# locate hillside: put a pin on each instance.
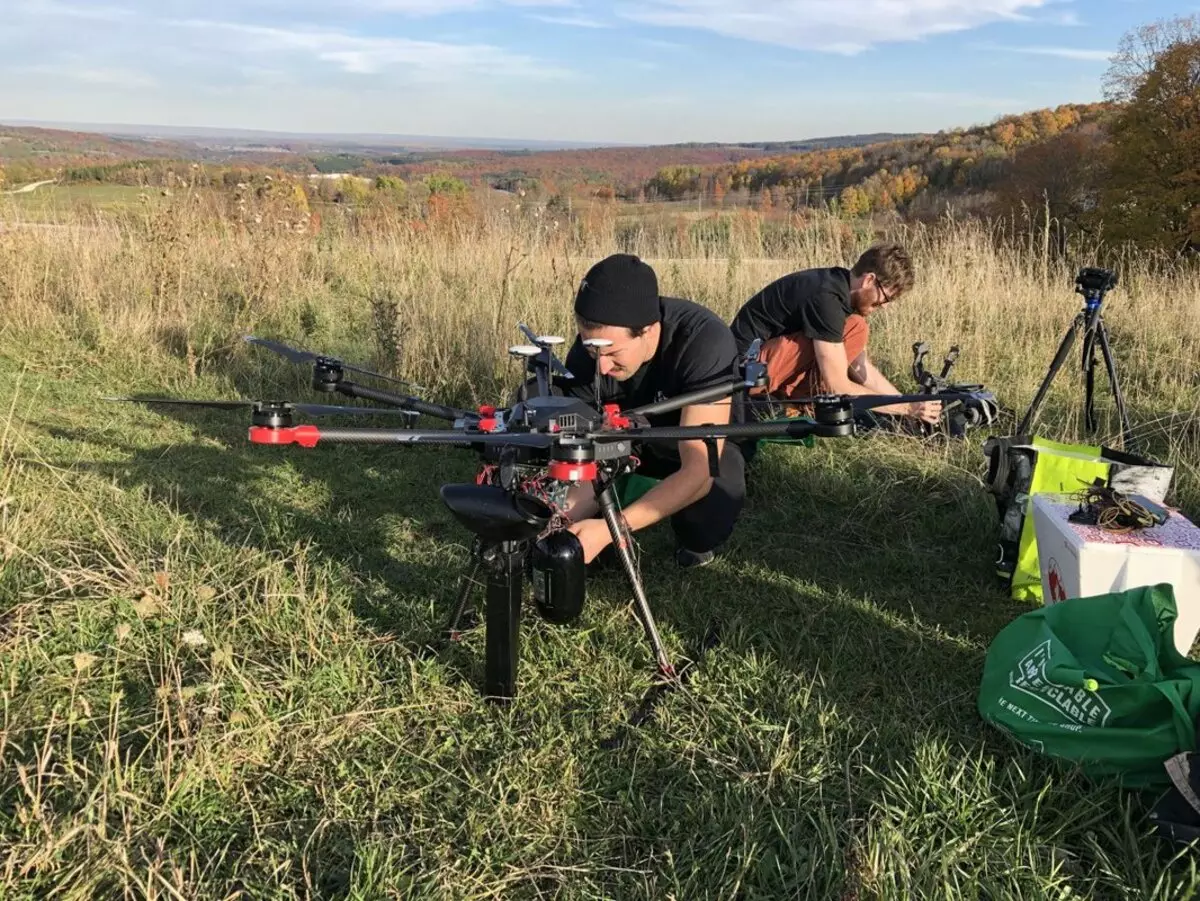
(31, 152)
(889, 174)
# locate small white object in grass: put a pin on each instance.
(550, 339)
(524, 350)
(194, 638)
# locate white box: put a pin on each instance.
(1079, 561)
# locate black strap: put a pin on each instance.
(714, 462)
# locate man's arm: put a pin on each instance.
(691, 481)
(683, 487)
(835, 370)
(864, 372)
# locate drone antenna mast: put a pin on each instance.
(546, 361)
(597, 343)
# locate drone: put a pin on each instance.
(975, 407)
(531, 453)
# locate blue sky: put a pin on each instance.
(653, 71)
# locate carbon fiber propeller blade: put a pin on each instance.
(305, 356)
(306, 409)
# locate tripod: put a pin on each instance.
(1093, 284)
(504, 559)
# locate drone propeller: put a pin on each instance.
(268, 406)
(304, 356)
(310, 436)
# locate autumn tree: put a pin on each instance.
(1139, 51)
(1062, 175)
(1153, 195)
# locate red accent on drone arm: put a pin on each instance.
(304, 435)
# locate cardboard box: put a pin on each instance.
(1079, 561)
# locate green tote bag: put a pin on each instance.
(1097, 682)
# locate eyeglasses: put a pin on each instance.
(886, 300)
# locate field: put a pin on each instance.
(212, 676)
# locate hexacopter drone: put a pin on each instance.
(531, 453)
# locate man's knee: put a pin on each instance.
(707, 523)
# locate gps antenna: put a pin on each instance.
(524, 352)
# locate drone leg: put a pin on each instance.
(622, 541)
(464, 594)
(506, 585)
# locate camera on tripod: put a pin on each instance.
(1093, 282)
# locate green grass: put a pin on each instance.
(212, 682)
(56, 199)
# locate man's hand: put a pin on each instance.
(594, 535)
(929, 411)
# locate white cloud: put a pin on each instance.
(572, 21)
(1078, 53)
(360, 55)
(96, 75)
(57, 9)
(837, 26)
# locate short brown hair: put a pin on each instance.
(891, 264)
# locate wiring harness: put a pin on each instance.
(1112, 511)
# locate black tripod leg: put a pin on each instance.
(506, 585)
(464, 594)
(622, 542)
(1089, 378)
(1064, 348)
(1110, 364)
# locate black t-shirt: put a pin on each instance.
(695, 350)
(815, 302)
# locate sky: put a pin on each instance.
(619, 71)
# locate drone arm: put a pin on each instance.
(790, 428)
(415, 404)
(703, 396)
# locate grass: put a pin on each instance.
(50, 201)
(212, 682)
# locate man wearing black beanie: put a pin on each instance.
(661, 347)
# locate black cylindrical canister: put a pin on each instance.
(558, 576)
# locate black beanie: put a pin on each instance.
(619, 290)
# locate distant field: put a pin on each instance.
(55, 199)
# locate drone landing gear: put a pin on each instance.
(505, 566)
(504, 563)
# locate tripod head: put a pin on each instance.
(1093, 283)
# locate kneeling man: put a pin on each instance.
(661, 347)
(813, 325)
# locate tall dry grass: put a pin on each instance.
(438, 302)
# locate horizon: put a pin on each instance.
(576, 73)
(183, 132)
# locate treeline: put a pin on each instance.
(882, 176)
